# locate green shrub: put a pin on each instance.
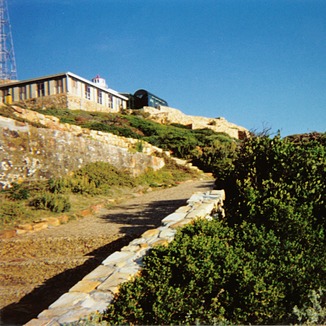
(53, 202)
(12, 212)
(93, 179)
(139, 146)
(314, 312)
(205, 276)
(257, 265)
(19, 192)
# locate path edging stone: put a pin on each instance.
(97, 289)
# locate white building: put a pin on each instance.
(64, 90)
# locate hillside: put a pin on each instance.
(167, 115)
(128, 141)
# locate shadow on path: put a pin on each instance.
(134, 223)
(43, 296)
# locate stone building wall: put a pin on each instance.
(68, 101)
(57, 101)
(80, 103)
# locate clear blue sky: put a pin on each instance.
(260, 64)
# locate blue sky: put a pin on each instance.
(257, 63)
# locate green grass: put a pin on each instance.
(95, 182)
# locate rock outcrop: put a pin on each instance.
(167, 115)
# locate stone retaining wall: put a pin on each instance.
(97, 289)
(30, 153)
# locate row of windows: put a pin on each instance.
(39, 90)
(46, 88)
(101, 97)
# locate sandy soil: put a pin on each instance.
(37, 268)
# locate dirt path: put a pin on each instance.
(37, 268)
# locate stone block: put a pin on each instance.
(63, 219)
(144, 245)
(42, 322)
(118, 256)
(160, 242)
(174, 217)
(114, 281)
(74, 316)
(131, 248)
(218, 193)
(52, 221)
(26, 227)
(167, 233)
(102, 298)
(150, 233)
(85, 286)
(180, 224)
(137, 241)
(40, 226)
(7, 234)
(131, 269)
(50, 314)
(69, 299)
(183, 209)
(197, 197)
(99, 273)
(201, 212)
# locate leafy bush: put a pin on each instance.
(93, 179)
(12, 211)
(256, 266)
(218, 156)
(19, 192)
(314, 312)
(53, 202)
(139, 146)
(207, 276)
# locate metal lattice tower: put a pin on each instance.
(7, 54)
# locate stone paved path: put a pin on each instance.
(37, 268)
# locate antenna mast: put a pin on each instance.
(7, 55)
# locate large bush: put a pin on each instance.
(53, 202)
(263, 264)
(93, 179)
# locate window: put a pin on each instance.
(110, 103)
(99, 97)
(40, 89)
(58, 86)
(87, 92)
(22, 93)
(74, 83)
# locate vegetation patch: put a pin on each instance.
(28, 201)
(204, 147)
(263, 264)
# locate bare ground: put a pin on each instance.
(37, 268)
